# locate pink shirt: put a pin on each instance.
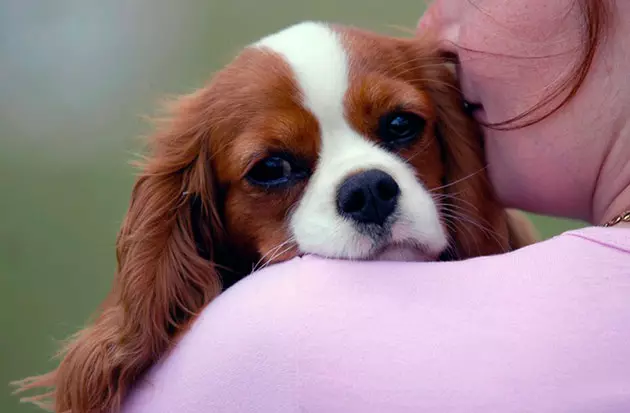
(543, 329)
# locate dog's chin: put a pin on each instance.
(404, 253)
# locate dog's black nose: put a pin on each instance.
(368, 197)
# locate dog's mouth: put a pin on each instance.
(403, 251)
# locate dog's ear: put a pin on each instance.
(166, 270)
(476, 220)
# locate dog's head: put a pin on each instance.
(317, 139)
(338, 142)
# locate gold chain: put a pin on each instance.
(623, 217)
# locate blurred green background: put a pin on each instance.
(76, 77)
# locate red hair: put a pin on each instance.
(596, 15)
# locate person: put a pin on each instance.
(541, 329)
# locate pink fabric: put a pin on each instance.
(543, 329)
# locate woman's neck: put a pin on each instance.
(612, 191)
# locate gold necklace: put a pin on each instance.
(623, 217)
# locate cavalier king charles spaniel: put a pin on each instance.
(318, 139)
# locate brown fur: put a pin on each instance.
(194, 226)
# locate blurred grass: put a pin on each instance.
(75, 77)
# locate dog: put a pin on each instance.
(318, 139)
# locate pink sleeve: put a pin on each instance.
(543, 329)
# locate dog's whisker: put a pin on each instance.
(461, 207)
(272, 252)
(465, 210)
(419, 151)
(414, 64)
(445, 196)
(437, 82)
(454, 196)
(459, 180)
(466, 229)
(277, 254)
(499, 239)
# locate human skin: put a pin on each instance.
(575, 163)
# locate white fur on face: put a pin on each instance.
(319, 62)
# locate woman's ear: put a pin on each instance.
(166, 271)
(476, 220)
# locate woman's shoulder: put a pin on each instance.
(313, 291)
(287, 292)
(571, 253)
(607, 237)
(338, 336)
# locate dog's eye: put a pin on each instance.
(400, 128)
(275, 171)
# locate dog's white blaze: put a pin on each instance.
(319, 64)
(319, 61)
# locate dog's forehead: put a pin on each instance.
(326, 59)
(257, 83)
(319, 62)
(309, 70)
(311, 65)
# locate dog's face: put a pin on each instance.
(325, 141)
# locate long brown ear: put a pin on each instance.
(165, 275)
(476, 220)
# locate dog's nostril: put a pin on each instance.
(387, 189)
(369, 197)
(355, 201)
